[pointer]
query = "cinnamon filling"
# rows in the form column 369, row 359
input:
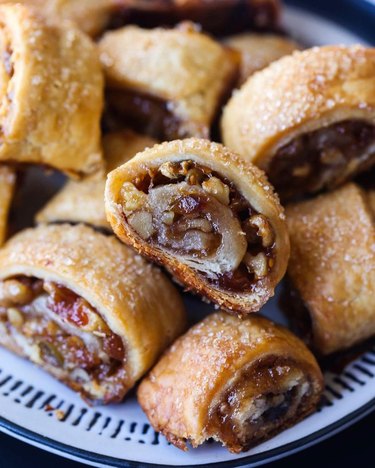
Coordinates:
column 243, row 418
column 199, row 216
column 144, row 113
column 322, row 159
column 56, row 328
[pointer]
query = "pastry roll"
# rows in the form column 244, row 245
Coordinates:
column 239, row 382
column 83, row 201
column 212, row 220
column 332, row 269
column 51, row 94
column 85, row 308
column 219, row 17
column 91, row 16
column 167, row 83
column 7, row 186
column 257, row 51
column 308, row 119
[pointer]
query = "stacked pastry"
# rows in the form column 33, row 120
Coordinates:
column 80, row 295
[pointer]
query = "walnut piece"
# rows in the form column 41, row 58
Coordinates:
column 218, row 189
column 132, row 198
column 257, row 265
column 14, row 292
column 264, row 229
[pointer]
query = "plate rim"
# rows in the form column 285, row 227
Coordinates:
column 298, row 445
column 67, row 451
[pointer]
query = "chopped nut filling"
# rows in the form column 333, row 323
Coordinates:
column 322, row 159
column 56, row 328
column 242, row 416
column 187, row 209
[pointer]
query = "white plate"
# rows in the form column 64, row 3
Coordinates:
column 120, row 435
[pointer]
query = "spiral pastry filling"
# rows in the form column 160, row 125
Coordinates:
column 56, row 328
column 242, row 419
column 187, row 209
column 323, row 158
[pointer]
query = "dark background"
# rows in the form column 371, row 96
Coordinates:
column 354, row 445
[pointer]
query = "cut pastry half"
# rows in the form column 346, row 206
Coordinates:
column 210, row 218
column 85, row 308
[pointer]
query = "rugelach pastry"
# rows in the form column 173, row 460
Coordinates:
column 239, row 382
column 308, row 119
column 332, row 269
column 169, row 83
column 257, row 51
column 83, row 201
column 7, row 186
column 91, row 16
column 85, row 308
column 212, row 220
column 218, row 17
column 51, row 91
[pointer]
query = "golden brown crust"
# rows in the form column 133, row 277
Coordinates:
column 91, row 16
column 222, row 354
column 7, row 186
column 332, row 266
column 52, row 94
column 250, row 183
column 299, row 94
column 135, row 299
column 183, row 68
column 259, row 50
column 83, row 201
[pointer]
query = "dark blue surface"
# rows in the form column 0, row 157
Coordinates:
column 354, row 445
column 355, row 15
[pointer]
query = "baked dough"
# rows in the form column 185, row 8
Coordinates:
column 212, row 220
column 308, row 119
column 85, row 308
column 51, row 94
column 218, row 17
column 257, row 51
column 7, row 186
column 332, row 269
column 83, row 201
column 237, row 381
column 91, row 16
column 168, row 83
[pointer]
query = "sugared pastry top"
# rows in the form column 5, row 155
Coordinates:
column 51, row 90
column 308, row 119
column 236, row 381
column 332, row 268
